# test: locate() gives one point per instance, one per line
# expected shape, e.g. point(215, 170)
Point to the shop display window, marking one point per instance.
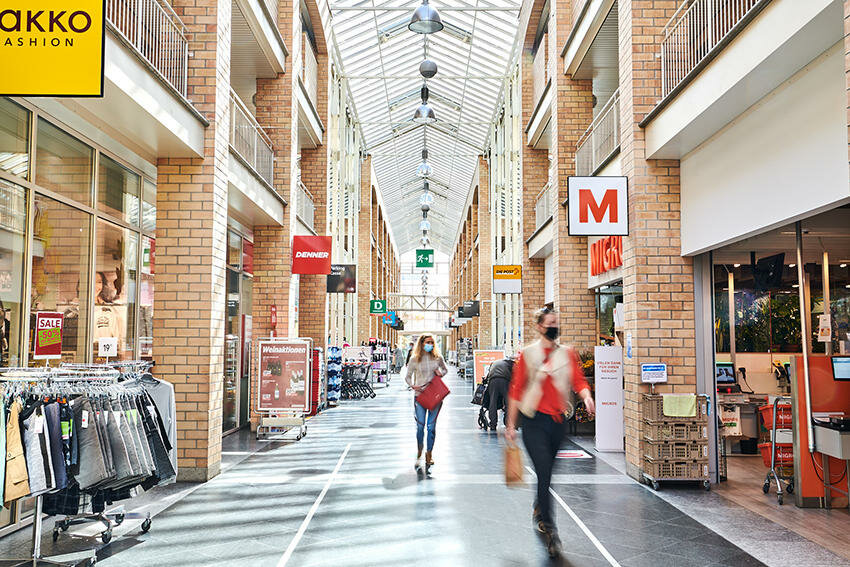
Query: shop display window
point(13, 214)
point(231, 353)
point(146, 298)
point(59, 279)
point(115, 277)
point(14, 138)
point(63, 164)
point(234, 250)
point(118, 190)
point(149, 207)
point(607, 298)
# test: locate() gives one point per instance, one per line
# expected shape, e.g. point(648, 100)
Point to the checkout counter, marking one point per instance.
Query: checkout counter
point(738, 410)
point(824, 473)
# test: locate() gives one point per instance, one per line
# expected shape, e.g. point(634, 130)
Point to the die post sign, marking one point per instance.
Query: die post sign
point(52, 47)
point(48, 335)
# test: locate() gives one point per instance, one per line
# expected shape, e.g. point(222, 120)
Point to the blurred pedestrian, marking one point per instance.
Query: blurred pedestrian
point(425, 363)
point(544, 376)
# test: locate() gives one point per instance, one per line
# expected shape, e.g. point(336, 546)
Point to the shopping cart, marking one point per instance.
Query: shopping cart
point(778, 453)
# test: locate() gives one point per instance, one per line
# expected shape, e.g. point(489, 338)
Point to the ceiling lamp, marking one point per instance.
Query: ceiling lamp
point(426, 199)
point(425, 207)
point(424, 170)
point(428, 69)
point(424, 114)
point(425, 241)
point(425, 19)
point(425, 225)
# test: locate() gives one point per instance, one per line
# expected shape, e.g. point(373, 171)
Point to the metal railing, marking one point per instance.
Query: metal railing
point(156, 32)
point(543, 206)
point(694, 31)
point(309, 69)
point(540, 71)
point(305, 209)
point(601, 139)
point(249, 140)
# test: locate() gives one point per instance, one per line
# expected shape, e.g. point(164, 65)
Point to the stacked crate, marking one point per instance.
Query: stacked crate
point(674, 448)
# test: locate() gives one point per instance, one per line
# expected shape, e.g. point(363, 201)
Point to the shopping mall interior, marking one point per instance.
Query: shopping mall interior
point(287, 283)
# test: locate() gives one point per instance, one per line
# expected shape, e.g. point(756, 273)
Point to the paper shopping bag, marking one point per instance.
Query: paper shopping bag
point(513, 466)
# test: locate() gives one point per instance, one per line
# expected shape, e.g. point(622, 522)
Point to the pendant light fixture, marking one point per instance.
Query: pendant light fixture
point(425, 20)
point(424, 170)
point(424, 114)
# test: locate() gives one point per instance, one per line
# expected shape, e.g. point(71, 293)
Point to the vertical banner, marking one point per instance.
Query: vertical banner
point(608, 366)
point(48, 335)
point(284, 376)
point(483, 359)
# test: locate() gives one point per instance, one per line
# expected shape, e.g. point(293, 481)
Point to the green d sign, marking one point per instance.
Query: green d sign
point(425, 258)
point(378, 306)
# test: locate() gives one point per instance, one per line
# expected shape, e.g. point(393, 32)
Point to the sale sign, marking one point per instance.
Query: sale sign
point(48, 335)
point(311, 255)
point(284, 368)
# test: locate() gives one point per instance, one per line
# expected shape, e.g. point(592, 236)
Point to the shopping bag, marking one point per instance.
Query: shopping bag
point(513, 465)
point(478, 396)
point(433, 393)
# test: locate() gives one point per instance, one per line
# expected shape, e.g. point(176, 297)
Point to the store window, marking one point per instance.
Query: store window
point(115, 287)
point(63, 164)
point(146, 298)
point(14, 138)
point(118, 191)
point(149, 207)
point(231, 353)
point(13, 214)
point(59, 280)
point(608, 299)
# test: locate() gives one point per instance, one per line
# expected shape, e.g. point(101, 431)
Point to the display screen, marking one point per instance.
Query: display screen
point(724, 373)
point(841, 367)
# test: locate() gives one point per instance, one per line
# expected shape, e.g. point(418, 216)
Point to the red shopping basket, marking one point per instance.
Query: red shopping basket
point(783, 416)
point(784, 454)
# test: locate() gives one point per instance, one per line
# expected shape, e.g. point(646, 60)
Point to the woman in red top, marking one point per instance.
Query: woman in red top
point(543, 376)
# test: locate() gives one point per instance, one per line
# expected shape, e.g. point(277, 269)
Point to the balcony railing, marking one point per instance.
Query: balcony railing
point(601, 140)
point(540, 70)
point(305, 209)
point(157, 33)
point(249, 141)
point(309, 69)
point(543, 206)
point(694, 32)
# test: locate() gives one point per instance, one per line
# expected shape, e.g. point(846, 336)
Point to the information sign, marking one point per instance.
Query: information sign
point(608, 376)
point(378, 306)
point(425, 258)
point(48, 335)
point(284, 368)
point(653, 373)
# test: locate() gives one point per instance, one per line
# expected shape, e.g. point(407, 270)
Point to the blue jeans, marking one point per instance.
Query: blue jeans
point(424, 416)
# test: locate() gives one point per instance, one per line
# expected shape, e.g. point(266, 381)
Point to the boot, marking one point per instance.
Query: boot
point(553, 543)
point(418, 457)
point(538, 522)
point(428, 460)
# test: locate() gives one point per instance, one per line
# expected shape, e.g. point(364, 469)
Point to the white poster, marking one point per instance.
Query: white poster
point(608, 366)
point(824, 328)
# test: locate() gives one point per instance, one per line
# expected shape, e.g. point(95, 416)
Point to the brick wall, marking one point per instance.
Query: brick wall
point(485, 257)
point(658, 282)
point(189, 299)
point(572, 114)
point(364, 251)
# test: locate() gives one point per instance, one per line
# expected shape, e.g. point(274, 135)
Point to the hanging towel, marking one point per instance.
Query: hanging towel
point(680, 405)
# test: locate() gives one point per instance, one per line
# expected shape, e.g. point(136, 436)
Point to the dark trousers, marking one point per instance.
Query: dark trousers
point(542, 436)
point(498, 390)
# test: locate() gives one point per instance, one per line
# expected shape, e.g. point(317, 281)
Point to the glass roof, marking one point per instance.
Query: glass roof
point(380, 59)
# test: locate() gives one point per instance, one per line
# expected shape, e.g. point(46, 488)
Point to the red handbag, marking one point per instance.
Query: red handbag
point(433, 393)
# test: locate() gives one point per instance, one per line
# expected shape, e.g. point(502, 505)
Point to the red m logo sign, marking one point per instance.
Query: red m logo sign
point(587, 203)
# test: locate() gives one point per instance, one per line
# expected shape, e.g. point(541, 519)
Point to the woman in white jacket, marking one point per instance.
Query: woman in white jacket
point(425, 363)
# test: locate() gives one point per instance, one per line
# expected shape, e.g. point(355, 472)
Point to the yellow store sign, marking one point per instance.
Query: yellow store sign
point(52, 47)
point(507, 278)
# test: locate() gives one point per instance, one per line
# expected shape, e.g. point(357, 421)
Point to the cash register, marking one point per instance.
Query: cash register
point(724, 374)
point(838, 421)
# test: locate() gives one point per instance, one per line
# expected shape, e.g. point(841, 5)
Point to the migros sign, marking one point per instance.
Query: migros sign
point(52, 47)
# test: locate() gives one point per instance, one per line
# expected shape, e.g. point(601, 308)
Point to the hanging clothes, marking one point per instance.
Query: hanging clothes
point(37, 448)
point(2, 446)
point(57, 456)
point(17, 478)
point(162, 394)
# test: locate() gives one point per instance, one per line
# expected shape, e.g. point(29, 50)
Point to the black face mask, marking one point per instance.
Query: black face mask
point(552, 333)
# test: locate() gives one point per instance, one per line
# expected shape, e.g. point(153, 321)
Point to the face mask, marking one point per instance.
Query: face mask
point(552, 333)
point(428, 348)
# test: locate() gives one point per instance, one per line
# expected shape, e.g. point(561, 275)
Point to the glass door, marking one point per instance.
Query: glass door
point(230, 390)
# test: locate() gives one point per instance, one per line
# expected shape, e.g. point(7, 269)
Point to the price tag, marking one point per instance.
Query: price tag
point(107, 347)
point(85, 420)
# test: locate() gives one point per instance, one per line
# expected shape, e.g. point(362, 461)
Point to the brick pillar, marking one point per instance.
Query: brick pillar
point(535, 174)
point(572, 113)
point(313, 299)
point(658, 282)
point(485, 257)
point(189, 298)
point(364, 252)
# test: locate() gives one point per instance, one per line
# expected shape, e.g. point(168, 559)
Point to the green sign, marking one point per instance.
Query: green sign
point(378, 306)
point(425, 258)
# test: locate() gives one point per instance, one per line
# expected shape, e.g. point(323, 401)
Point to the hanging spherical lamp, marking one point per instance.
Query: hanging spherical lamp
point(428, 68)
point(425, 19)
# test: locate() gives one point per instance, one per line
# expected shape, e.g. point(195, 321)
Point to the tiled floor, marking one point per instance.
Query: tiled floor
point(348, 495)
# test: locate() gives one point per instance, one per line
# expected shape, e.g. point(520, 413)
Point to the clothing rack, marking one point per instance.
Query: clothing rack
point(69, 380)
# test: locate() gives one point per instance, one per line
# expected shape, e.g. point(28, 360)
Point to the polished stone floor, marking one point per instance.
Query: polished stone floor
point(348, 495)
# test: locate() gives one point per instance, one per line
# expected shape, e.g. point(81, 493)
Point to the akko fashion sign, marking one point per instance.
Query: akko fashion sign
point(598, 206)
point(52, 47)
point(311, 255)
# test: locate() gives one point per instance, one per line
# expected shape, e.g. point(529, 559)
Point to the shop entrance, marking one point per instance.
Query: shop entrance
point(237, 332)
point(781, 304)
